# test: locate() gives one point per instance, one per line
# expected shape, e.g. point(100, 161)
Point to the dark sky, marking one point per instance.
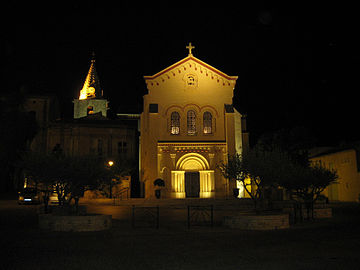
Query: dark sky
point(297, 65)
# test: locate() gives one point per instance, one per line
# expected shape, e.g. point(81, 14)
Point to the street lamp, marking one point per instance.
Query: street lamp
point(110, 163)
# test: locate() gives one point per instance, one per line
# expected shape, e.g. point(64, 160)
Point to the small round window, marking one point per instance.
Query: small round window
point(190, 80)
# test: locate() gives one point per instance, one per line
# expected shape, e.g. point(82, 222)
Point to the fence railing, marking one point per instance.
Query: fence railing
point(200, 215)
point(149, 217)
point(123, 194)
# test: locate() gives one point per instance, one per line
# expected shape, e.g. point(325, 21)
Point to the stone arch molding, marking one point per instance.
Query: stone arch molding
point(192, 162)
point(191, 106)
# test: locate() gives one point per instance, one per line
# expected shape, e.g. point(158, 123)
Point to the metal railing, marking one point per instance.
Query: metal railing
point(199, 215)
point(123, 194)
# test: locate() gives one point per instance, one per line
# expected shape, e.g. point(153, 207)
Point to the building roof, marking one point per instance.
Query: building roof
point(323, 151)
point(102, 123)
point(91, 88)
point(198, 61)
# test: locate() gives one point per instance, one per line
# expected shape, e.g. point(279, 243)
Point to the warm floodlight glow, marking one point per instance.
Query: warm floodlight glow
point(91, 83)
point(111, 163)
point(242, 191)
point(87, 92)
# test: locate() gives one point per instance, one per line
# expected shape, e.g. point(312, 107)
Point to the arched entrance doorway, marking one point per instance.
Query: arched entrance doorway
point(192, 177)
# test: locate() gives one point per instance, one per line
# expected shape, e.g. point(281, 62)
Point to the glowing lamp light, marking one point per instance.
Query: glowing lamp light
point(111, 163)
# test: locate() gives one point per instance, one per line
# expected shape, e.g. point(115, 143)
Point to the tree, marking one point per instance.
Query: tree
point(303, 181)
point(118, 169)
point(70, 176)
point(295, 142)
point(83, 173)
point(272, 169)
point(263, 168)
point(305, 184)
point(43, 170)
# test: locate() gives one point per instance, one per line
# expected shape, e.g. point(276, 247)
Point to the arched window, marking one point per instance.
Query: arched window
point(90, 110)
point(191, 122)
point(175, 123)
point(207, 121)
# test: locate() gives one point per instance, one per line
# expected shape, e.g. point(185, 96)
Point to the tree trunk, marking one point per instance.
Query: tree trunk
point(46, 203)
point(76, 199)
point(110, 189)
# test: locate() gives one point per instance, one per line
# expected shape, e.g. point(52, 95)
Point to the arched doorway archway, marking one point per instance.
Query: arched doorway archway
point(192, 177)
point(192, 162)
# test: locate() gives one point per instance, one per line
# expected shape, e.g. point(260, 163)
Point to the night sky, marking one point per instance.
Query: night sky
point(297, 65)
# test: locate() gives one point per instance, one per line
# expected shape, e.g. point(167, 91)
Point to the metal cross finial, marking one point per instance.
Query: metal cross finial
point(93, 57)
point(190, 47)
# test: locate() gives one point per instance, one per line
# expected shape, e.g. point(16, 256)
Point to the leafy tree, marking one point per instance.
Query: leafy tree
point(306, 184)
point(272, 169)
point(263, 168)
point(70, 176)
point(303, 181)
point(83, 173)
point(43, 170)
point(294, 142)
point(119, 169)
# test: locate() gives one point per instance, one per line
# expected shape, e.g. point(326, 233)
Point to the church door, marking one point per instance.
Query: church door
point(192, 184)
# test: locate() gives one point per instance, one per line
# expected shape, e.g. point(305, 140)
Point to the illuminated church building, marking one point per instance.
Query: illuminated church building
point(188, 126)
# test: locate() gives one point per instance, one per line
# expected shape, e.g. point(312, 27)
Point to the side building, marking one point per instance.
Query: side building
point(44, 109)
point(344, 162)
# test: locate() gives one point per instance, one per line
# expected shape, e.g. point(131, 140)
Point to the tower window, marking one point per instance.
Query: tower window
point(153, 108)
point(90, 110)
point(175, 123)
point(191, 122)
point(207, 121)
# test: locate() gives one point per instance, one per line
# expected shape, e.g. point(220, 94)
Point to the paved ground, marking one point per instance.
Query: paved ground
point(327, 244)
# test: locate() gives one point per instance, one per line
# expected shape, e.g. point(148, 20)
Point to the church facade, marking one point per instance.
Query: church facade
point(189, 126)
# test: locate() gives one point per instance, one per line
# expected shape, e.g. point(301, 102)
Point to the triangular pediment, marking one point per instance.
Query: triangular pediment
point(188, 61)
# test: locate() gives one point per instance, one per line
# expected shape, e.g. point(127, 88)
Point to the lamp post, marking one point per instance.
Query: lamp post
point(110, 163)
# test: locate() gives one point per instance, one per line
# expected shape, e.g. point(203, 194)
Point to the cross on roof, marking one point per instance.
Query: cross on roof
point(190, 47)
point(93, 57)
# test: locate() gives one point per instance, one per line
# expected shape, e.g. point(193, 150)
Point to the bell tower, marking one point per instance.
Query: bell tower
point(91, 100)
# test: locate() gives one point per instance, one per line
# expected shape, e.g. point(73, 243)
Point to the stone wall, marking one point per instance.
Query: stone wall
point(75, 223)
point(258, 222)
point(318, 212)
point(322, 212)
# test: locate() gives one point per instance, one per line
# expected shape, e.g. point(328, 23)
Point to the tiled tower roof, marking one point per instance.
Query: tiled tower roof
point(91, 88)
